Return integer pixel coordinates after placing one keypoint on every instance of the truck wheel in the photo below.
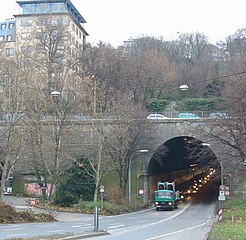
(157, 209)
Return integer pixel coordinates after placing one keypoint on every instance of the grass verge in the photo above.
(233, 224)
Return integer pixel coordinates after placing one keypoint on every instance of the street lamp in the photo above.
(55, 94)
(184, 87)
(129, 172)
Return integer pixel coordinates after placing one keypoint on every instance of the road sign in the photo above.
(101, 188)
(33, 202)
(222, 187)
(221, 198)
(141, 191)
(222, 193)
(227, 193)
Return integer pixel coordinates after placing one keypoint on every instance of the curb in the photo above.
(86, 235)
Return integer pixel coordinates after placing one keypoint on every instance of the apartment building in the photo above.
(33, 12)
(27, 29)
(8, 35)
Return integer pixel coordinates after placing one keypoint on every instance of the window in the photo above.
(25, 49)
(41, 22)
(25, 36)
(9, 38)
(3, 26)
(9, 51)
(58, 7)
(1, 38)
(11, 25)
(60, 49)
(25, 22)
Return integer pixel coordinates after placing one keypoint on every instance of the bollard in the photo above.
(220, 213)
(96, 211)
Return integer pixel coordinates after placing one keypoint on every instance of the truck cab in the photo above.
(165, 199)
(165, 196)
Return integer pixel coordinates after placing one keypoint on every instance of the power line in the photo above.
(220, 77)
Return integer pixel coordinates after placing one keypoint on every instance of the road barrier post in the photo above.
(220, 214)
(96, 218)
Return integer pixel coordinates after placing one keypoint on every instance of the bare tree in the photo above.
(196, 61)
(12, 115)
(51, 100)
(146, 72)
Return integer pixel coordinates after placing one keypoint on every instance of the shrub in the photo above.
(64, 197)
(156, 105)
(199, 104)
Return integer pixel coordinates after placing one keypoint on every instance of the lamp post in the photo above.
(129, 172)
(183, 87)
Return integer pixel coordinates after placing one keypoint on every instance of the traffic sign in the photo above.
(101, 188)
(222, 187)
(227, 193)
(221, 197)
(141, 191)
(33, 202)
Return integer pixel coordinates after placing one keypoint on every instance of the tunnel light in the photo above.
(184, 87)
(206, 144)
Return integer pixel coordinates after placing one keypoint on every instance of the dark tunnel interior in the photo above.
(181, 153)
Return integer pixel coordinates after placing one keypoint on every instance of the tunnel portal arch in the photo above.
(181, 154)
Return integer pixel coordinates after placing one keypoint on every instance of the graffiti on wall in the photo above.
(35, 189)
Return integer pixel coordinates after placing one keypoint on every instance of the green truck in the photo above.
(165, 196)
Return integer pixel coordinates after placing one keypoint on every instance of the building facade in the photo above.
(34, 11)
(38, 23)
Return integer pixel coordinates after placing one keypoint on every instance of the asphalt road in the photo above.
(191, 221)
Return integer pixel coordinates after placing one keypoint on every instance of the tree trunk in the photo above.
(99, 162)
(3, 180)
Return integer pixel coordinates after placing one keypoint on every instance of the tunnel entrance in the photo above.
(181, 159)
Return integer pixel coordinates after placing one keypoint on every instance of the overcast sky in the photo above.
(114, 21)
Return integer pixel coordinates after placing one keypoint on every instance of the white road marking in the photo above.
(116, 226)
(53, 231)
(13, 229)
(17, 234)
(154, 223)
(84, 225)
(132, 217)
(142, 221)
(182, 230)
